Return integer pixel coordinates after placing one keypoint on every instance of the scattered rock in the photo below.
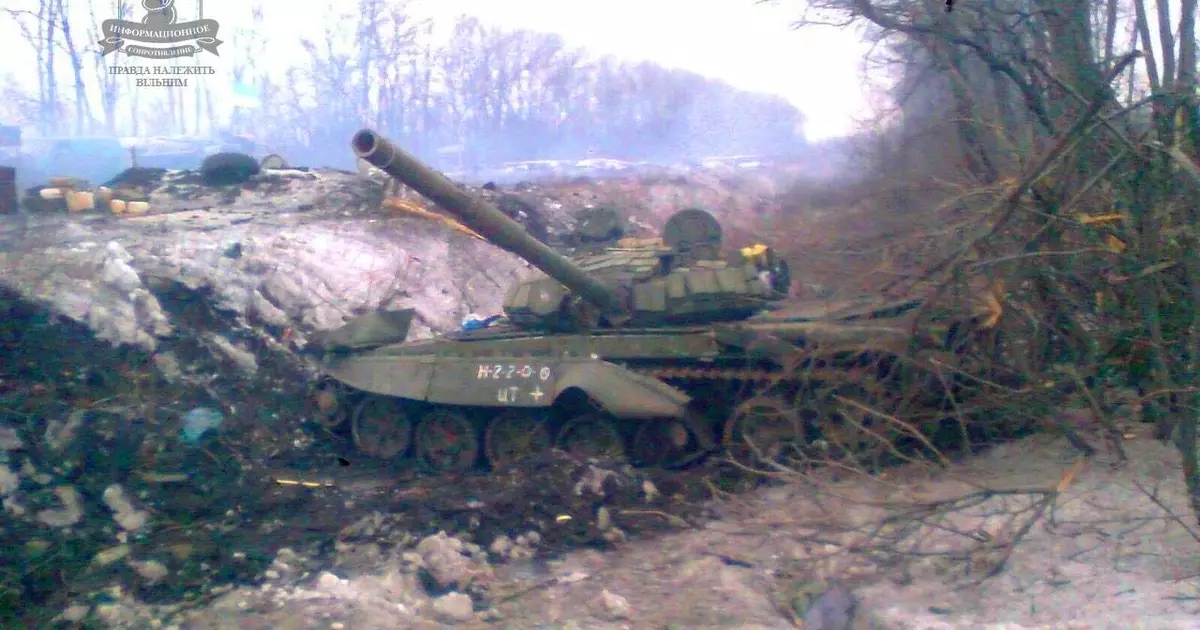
(69, 514)
(833, 608)
(286, 565)
(60, 433)
(74, 613)
(124, 512)
(330, 582)
(609, 605)
(449, 562)
(265, 311)
(650, 491)
(597, 481)
(10, 439)
(168, 365)
(501, 546)
(10, 481)
(454, 608)
(111, 555)
(152, 571)
(198, 422)
(242, 358)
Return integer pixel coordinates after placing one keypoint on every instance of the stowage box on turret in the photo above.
(661, 350)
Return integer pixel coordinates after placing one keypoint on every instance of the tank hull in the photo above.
(684, 385)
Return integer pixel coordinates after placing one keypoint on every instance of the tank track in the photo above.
(806, 413)
(823, 412)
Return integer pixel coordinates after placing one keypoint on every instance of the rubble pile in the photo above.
(147, 523)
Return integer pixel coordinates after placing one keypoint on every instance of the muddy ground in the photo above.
(793, 554)
(284, 526)
(1106, 554)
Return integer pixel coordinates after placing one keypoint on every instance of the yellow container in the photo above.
(80, 201)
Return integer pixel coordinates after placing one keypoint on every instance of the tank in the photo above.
(660, 351)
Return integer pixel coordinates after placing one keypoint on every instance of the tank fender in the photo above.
(622, 392)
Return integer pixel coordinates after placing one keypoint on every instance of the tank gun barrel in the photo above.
(483, 217)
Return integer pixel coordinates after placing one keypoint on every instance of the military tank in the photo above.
(658, 350)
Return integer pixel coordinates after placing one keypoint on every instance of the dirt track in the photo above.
(1104, 555)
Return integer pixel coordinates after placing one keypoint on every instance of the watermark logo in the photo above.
(160, 34)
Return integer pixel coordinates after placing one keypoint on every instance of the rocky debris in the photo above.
(824, 606)
(10, 482)
(521, 548)
(61, 432)
(10, 440)
(199, 518)
(129, 517)
(611, 606)
(152, 571)
(74, 613)
(451, 563)
(69, 512)
(235, 354)
(454, 608)
(774, 561)
(111, 555)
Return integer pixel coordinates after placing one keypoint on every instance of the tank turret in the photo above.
(609, 281)
(487, 220)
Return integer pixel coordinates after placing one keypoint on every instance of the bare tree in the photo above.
(506, 95)
(1060, 58)
(108, 84)
(83, 112)
(38, 29)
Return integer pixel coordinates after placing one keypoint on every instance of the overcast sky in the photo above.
(747, 44)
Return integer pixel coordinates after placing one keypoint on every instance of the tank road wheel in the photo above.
(515, 435)
(847, 428)
(447, 441)
(664, 443)
(591, 435)
(326, 404)
(381, 427)
(761, 428)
